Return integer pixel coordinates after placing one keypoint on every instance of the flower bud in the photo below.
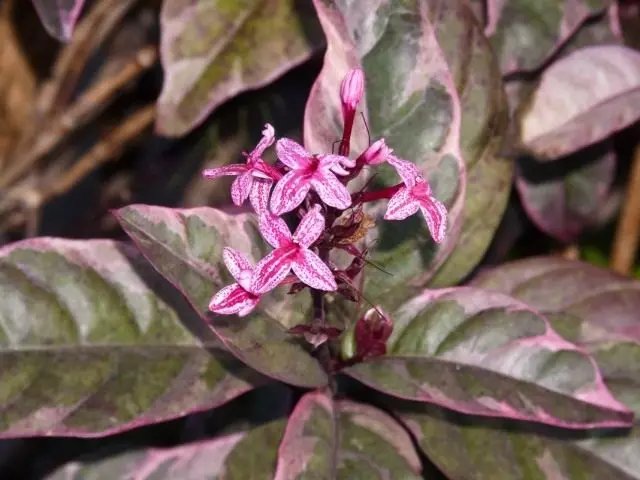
(351, 90)
(376, 154)
(371, 333)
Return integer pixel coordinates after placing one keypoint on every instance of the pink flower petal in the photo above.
(352, 89)
(274, 230)
(312, 271)
(233, 299)
(310, 228)
(259, 195)
(377, 153)
(331, 190)
(241, 187)
(407, 170)
(235, 262)
(289, 192)
(401, 205)
(292, 154)
(233, 169)
(272, 269)
(435, 213)
(327, 160)
(268, 137)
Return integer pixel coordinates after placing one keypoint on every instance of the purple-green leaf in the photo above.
(93, 341)
(432, 90)
(327, 439)
(213, 50)
(237, 456)
(565, 205)
(484, 353)
(185, 246)
(526, 34)
(582, 99)
(59, 17)
(588, 305)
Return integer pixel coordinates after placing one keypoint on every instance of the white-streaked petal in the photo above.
(408, 171)
(331, 190)
(310, 228)
(272, 270)
(289, 192)
(233, 169)
(233, 299)
(274, 230)
(241, 187)
(259, 195)
(235, 262)
(268, 137)
(292, 154)
(311, 270)
(332, 159)
(435, 214)
(401, 205)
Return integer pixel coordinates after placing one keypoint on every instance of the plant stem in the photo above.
(383, 193)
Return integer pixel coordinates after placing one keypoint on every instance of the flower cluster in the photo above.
(314, 186)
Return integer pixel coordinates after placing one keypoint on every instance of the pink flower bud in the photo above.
(376, 154)
(351, 90)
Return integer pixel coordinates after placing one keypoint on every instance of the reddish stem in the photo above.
(349, 117)
(383, 193)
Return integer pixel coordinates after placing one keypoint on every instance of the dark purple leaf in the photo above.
(59, 17)
(185, 246)
(371, 444)
(564, 206)
(212, 51)
(582, 99)
(484, 353)
(588, 305)
(432, 90)
(237, 456)
(93, 341)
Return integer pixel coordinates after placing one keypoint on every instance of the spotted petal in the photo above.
(274, 230)
(310, 228)
(289, 192)
(268, 137)
(233, 299)
(235, 262)
(435, 213)
(408, 171)
(233, 169)
(312, 271)
(330, 189)
(272, 269)
(259, 195)
(331, 159)
(241, 187)
(401, 205)
(292, 154)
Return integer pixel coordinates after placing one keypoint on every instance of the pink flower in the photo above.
(292, 253)
(254, 178)
(416, 195)
(307, 170)
(377, 153)
(351, 90)
(238, 297)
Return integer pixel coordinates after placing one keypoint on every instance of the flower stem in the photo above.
(372, 196)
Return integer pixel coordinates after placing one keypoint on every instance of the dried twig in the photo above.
(85, 109)
(627, 237)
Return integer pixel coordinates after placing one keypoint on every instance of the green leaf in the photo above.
(215, 49)
(185, 246)
(433, 91)
(93, 341)
(344, 439)
(238, 456)
(483, 353)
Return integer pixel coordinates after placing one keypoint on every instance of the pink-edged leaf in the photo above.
(591, 306)
(274, 230)
(401, 205)
(331, 190)
(312, 271)
(235, 261)
(292, 154)
(527, 34)
(85, 326)
(564, 207)
(59, 17)
(289, 192)
(370, 444)
(247, 454)
(310, 228)
(241, 187)
(435, 110)
(484, 353)
(233, 169)
(273, 269)
(186, 246)
(604, 82)
(211, 51)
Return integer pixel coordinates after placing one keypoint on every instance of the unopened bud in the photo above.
(351, 89)
(376, 154)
